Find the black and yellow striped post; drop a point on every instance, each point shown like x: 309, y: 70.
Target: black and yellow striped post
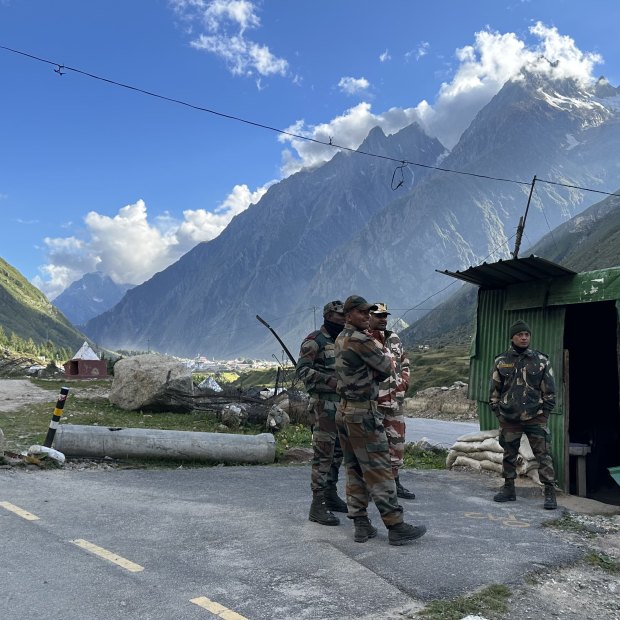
x: 60, y: 403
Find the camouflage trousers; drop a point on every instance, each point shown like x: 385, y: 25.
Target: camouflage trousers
x: 367, y: 462
x: 394, y: 424
x: 539, y: 437
x: 327, y: 454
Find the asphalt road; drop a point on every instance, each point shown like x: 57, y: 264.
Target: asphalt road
x: 193, y: 543
x: 437, y: 432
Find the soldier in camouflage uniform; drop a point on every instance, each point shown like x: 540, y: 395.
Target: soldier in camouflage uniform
x: 315, y: 367
x: 360, y: 365
x: 392, y: 392
x: 522, y: 396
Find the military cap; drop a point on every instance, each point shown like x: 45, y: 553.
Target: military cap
x: 333, y: 306
x: 381, y: 309
x: 355, y: 301
x: 519, y: 326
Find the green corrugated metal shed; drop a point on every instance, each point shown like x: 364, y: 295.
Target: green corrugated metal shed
x: 539, y: 292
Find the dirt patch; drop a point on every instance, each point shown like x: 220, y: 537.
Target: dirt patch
x: 14, y: 393
x: 588, y: 590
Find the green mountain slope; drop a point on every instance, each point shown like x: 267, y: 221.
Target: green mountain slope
x: 26, y: 312
x: 586, y: 242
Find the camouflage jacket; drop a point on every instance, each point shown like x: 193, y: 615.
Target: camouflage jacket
x: 522, y: 385
x: 316, y: 364
x: 361, y: 365
x: 392, y: 390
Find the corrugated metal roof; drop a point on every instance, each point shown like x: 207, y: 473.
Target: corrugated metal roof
x: 513, y: 271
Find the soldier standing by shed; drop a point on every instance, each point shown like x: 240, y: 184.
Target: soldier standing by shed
x: 522, y: 396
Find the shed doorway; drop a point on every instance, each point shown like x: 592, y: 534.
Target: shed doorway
x: 590, y: 337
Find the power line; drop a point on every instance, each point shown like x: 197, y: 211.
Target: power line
x: 61, y: 69
x: 417, y: 306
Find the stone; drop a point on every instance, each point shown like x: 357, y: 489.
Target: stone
x: 295, y: 403
x: 234, y: 415
x: 277, y: 419
x: 152, y: 382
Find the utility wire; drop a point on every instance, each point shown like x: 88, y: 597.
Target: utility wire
x: 61, y: 69
x: 542, y: 208
x: 417, y: 306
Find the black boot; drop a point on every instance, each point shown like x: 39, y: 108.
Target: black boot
x: 401, y: 491
x: 507, y: 492
x: 550, y: 501
x: 404, y: 533
x: 364, y: 529
x: 319, y: 512
x: 332, y: 501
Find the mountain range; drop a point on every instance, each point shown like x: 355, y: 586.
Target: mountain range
x: 90, y: 296
x: 27, y: 313
x: 345, y: 227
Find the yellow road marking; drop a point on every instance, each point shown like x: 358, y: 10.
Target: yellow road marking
x: 217, y: 609
x: 108, y: 555
x: 24, y: 514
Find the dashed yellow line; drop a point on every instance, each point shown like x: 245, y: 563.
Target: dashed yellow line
x: 24, y: 514
x: 108, y: 555
x: 217, y: 609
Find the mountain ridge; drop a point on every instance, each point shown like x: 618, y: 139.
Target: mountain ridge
x: 587, y: 242
x: 339, y: 228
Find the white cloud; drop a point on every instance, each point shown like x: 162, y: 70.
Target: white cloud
x: 130, y: 248
x: 484, y: 67
x: 419, y: 52
x: 239, y: 12
x: 351, y: 85
x: 225, y: 23
x: 385, y: 56
x: 489, y: 63
x: 347, y: 130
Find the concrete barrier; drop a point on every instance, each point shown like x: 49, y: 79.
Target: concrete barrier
x: 98, y: 441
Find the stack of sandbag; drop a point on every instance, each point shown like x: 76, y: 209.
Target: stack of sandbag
x: 482, y: 451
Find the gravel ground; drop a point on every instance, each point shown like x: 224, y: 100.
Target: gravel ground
x: 580, y: 592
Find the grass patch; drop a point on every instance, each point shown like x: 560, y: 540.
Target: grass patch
x: 28, y: 425
x: 437, y: 367
x: 568, y: 523
x: 417, y: 458
x: 293, y: 436
x: 491, y: 600
x: 55, y: 384
x: 602, y: 560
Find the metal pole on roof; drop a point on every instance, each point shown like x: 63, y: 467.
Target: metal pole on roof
x: 521, y: 226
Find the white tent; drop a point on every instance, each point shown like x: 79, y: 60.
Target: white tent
x: 85, y: 353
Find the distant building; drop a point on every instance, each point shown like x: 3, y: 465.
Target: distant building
x: 85, y: 364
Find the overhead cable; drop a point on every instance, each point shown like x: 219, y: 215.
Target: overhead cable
x: 61, y: 69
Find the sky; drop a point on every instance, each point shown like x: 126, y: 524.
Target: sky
x: 96, y: 174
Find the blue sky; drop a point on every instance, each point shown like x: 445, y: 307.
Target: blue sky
x: 94, y: 176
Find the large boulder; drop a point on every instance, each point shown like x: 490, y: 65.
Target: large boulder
x: 152, y: 382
